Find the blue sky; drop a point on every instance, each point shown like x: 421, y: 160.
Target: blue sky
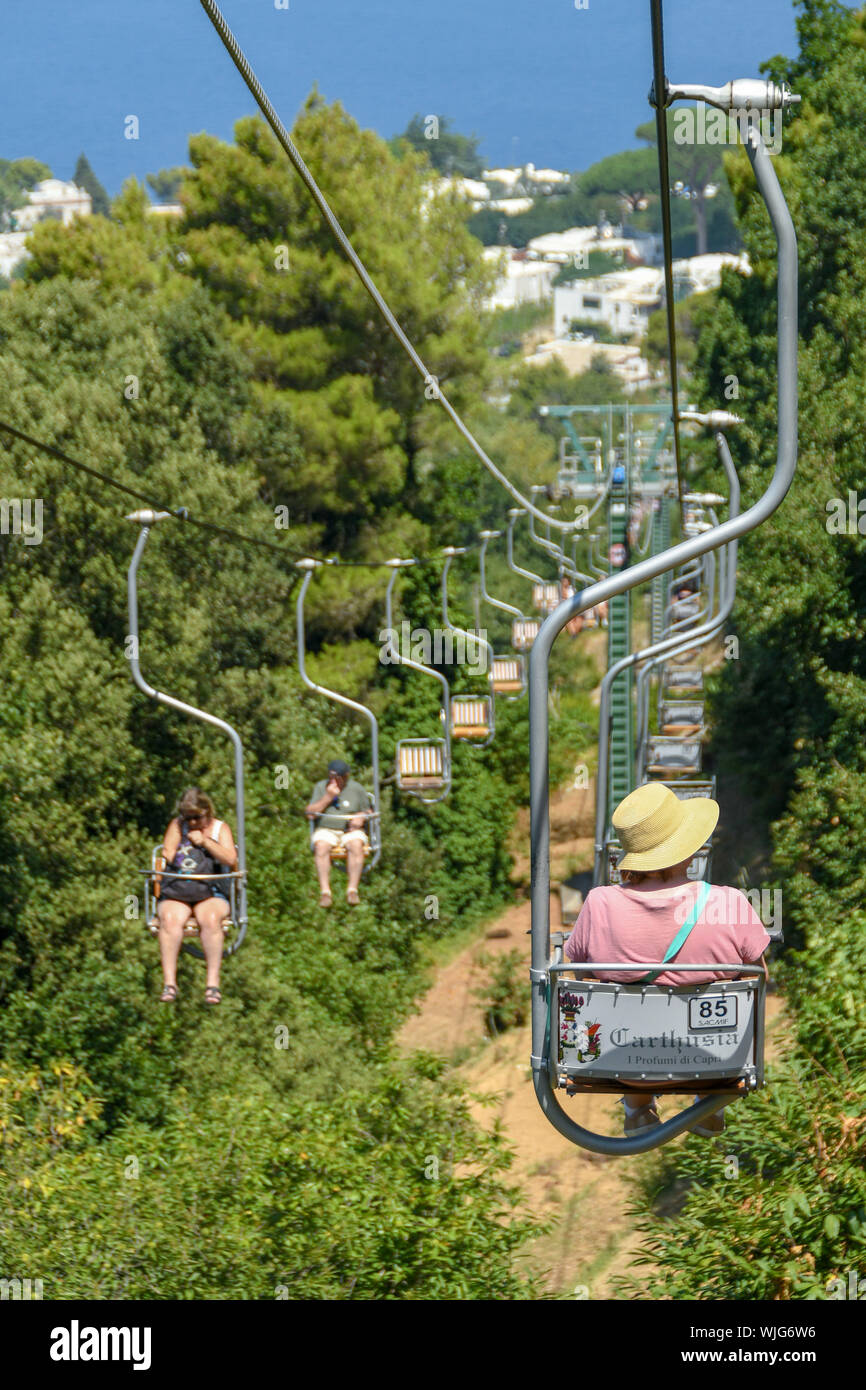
x: 535, y: 79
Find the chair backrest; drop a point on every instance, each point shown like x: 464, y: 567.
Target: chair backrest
x: 470, y: 712
x: 523, y: 633
x: 420, y: 760
x: 627, y: 1033
x: 686, y: 789
x: 672, y: 754
x: 681, y: 712
x: 506, y: 668
x: 546, y: 596
x: 682, y: 678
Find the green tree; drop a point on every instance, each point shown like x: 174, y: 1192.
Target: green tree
x: 85, y: 178
x: 449, y: 152
x: 167, y: 183
x: 17, y: 177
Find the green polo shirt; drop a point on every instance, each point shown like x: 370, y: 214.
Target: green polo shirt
x: 352, y: 800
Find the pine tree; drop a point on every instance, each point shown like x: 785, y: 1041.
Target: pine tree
x: 86, y: 179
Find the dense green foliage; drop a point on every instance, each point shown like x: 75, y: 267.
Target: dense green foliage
x: 17, y: 177
x: 231, y: 363
x: 790, y: 712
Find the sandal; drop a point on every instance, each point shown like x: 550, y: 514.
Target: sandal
x: 169, y: 994
x: 353, y: 897
x: 325, y: 900
x: 213, y: 995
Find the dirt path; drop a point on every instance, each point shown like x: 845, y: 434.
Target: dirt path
x: 585, y: 1195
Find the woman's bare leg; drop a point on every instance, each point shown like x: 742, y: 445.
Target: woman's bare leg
x: 172, y: 916
x: 210, y: 915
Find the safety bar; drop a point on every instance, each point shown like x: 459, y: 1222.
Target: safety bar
x: 145, y: 519
x: 734, y: 527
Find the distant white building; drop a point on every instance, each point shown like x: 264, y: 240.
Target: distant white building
x: 510, y: 206
x: 580, y: 241
x: 52, y: 198
x: 12, y: 251
x: 507, y: 177
x: 473, y: 190
x: 624, y: 300
x: 521, y: 281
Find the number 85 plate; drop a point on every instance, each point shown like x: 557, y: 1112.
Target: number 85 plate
x: 708, y: 1011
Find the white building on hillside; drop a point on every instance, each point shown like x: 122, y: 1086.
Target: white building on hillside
x: 12, y: 251
x: 639, y: 248
x: 622, y: 301
x: 521, y: 281
x: 52, y: 198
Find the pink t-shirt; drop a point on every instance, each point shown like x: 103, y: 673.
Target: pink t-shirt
x: 639, y: 922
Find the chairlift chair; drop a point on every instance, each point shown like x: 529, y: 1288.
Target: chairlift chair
x: 667, y: 757
x: 682, y: 680
x: 423, y: 764
x: 152, y: 888
x: 235, y: 924
x: 509, y: 676
x: 681, y: 717
x: 545, y: 597
x: 473, y: 717
x: 523, y: 633
x: 373, y: 847
x: 615, y: 1038
x: 508, y: 673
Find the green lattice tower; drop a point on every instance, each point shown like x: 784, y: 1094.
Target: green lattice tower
x: 661, y: 540
x: 621, y: 777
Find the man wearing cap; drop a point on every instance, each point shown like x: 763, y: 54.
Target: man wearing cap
x: 339, y: 806
x: 643, y: 917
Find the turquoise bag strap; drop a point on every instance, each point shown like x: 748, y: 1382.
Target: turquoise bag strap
x: 681, y: 936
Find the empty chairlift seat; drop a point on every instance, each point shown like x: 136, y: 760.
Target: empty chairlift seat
x: 681, y: 716
x: 667, y: 756
x: 421, y: 764
x: 509, y: 675
x: 683, y: 680
x: 546, y: 597
x: 523, y: 633
x: 470, y: 717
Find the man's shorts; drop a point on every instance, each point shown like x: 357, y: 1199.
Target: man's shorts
x: 338, y: 839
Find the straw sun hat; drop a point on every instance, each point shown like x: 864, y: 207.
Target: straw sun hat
x: 657, y: 830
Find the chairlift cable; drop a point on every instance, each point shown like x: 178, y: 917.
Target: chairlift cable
x: 183, y: 514
x: 431, y: 383
x: 658, y: 98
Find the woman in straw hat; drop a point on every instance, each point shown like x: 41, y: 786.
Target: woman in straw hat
x: 639, y: 920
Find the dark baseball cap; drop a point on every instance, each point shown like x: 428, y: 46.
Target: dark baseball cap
x: 338, y: 767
